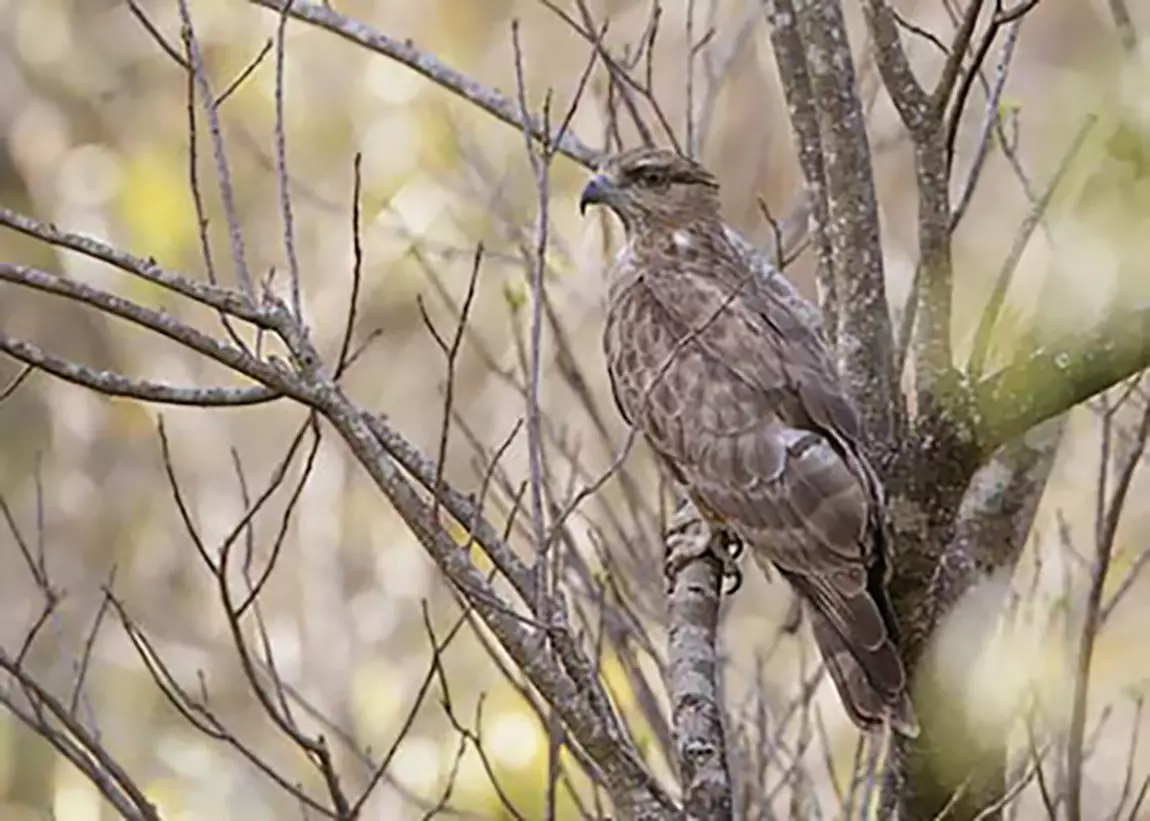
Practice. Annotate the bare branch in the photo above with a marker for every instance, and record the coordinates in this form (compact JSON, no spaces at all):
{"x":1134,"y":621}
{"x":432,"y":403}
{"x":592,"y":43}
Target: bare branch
{"x":432,"y":68}
{"x":438,"y":646}
{"x":1127,"y":35}
{"x":718,"y":68}
{"x":695,"y":590}
{"x":540,"y":167}
{"x":1108,"y":515}
{"x":1002,"y":17}
{"x":1046,"y":379}
{"x":54,"y":722}
{"x":157,"y":321}
{"x":282,"y":169}
{"x":256,"y":586}
{"x":213,"y":296}
{"x":790,"y":58}
{"x":633,"y":788}
{"x":907,"y":94}
{"x":17,"y":380}
{"x":451,"y":355}
{"x":930,"y":298}
{"x":227,"y":191}
{"x":620,"y":73}
{"x":247,"y":71}
{"x":986,"y":323}
{"x":950,"y":72}
{"x":550,"y":627}
{"x":997,"y":512}
{"x":344,"y":358}
{"x":155,"y":34}
{"x":992,"y":117}
{"x":864,"y":339}
{"x":197,"y":712}
{"x":114,"y":384}
{"x":197,"y":193}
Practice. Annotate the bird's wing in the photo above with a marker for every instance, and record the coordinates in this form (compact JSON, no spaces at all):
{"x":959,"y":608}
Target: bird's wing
{"x":753,"y":416}
{"x":722,"y":392}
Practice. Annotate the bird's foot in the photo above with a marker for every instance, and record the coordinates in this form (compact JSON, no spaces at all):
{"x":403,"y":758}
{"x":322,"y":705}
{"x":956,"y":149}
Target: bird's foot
{"x":690,"y":537}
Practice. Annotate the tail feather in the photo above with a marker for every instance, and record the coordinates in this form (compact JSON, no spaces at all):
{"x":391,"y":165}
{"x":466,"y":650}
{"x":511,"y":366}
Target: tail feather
{"x":870,"y":682}
{"x":857,"y":643}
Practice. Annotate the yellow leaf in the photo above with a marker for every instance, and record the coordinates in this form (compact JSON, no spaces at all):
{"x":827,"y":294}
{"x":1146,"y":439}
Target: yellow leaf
{"x":1008,"y":106}
{"x":515,"y":295}
{"x":155,"y":206}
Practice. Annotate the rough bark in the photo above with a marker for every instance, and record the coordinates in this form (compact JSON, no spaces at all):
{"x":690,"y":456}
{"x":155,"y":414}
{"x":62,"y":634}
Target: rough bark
{"x":696,"y":700}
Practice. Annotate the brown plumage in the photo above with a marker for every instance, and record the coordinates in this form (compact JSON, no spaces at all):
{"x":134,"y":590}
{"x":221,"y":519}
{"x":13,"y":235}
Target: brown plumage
{"x":744,"y":403}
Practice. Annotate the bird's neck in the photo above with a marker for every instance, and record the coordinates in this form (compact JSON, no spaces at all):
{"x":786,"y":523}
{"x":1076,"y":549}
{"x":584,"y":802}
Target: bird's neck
{"x":674,"y":237}
{"x":652,"y":245}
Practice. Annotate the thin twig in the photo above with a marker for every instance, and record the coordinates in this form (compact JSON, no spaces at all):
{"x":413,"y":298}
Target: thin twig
{"x":282,"y":168}
{"x":980,"y":348}
{"x":223,"y":172}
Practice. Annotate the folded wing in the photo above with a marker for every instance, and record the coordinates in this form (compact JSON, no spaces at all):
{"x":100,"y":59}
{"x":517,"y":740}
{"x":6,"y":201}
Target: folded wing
{"x":730,"y":389}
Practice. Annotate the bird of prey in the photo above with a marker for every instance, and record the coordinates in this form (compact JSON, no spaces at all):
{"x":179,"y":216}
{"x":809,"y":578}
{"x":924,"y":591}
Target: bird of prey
{"x":740,"y":398}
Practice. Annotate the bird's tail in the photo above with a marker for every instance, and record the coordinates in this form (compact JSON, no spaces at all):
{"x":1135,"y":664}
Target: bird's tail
{"x":864,"y":666}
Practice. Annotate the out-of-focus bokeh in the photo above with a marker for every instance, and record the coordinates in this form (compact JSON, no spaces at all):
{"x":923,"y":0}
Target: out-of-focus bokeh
{"x":94,"y":136}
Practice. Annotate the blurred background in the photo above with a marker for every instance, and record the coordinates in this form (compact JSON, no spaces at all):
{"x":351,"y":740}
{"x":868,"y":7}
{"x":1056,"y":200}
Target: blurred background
{"x":94,"y":136}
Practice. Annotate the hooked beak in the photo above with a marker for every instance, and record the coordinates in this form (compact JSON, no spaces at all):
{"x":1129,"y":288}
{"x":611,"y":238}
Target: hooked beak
{"x":596,"y":192}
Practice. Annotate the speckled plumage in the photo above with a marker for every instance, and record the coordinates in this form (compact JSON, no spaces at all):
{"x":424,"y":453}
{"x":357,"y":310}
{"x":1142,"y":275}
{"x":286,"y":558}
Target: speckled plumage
{"x":743,"y":401}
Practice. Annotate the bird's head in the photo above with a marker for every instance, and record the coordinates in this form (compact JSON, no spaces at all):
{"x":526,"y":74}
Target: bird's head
{"x":651,"y":187}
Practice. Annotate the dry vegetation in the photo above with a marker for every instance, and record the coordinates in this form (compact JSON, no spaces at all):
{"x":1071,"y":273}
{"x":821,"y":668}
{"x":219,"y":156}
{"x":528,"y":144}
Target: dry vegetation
{"x":314,"y":500}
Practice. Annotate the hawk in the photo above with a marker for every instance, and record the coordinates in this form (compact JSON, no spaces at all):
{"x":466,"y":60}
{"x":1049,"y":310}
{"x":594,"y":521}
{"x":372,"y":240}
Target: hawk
{"x":740,"y":398}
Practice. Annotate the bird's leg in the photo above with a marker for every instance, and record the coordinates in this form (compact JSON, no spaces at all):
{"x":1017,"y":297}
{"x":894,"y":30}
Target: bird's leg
{"x":690,"y":536}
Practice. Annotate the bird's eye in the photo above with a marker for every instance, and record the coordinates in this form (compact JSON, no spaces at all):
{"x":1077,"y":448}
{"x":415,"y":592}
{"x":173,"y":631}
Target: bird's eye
{"x":651,"y":176}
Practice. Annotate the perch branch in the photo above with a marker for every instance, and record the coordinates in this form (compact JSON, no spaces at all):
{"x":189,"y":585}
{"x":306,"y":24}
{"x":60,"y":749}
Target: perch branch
{"x":695,"y":591}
